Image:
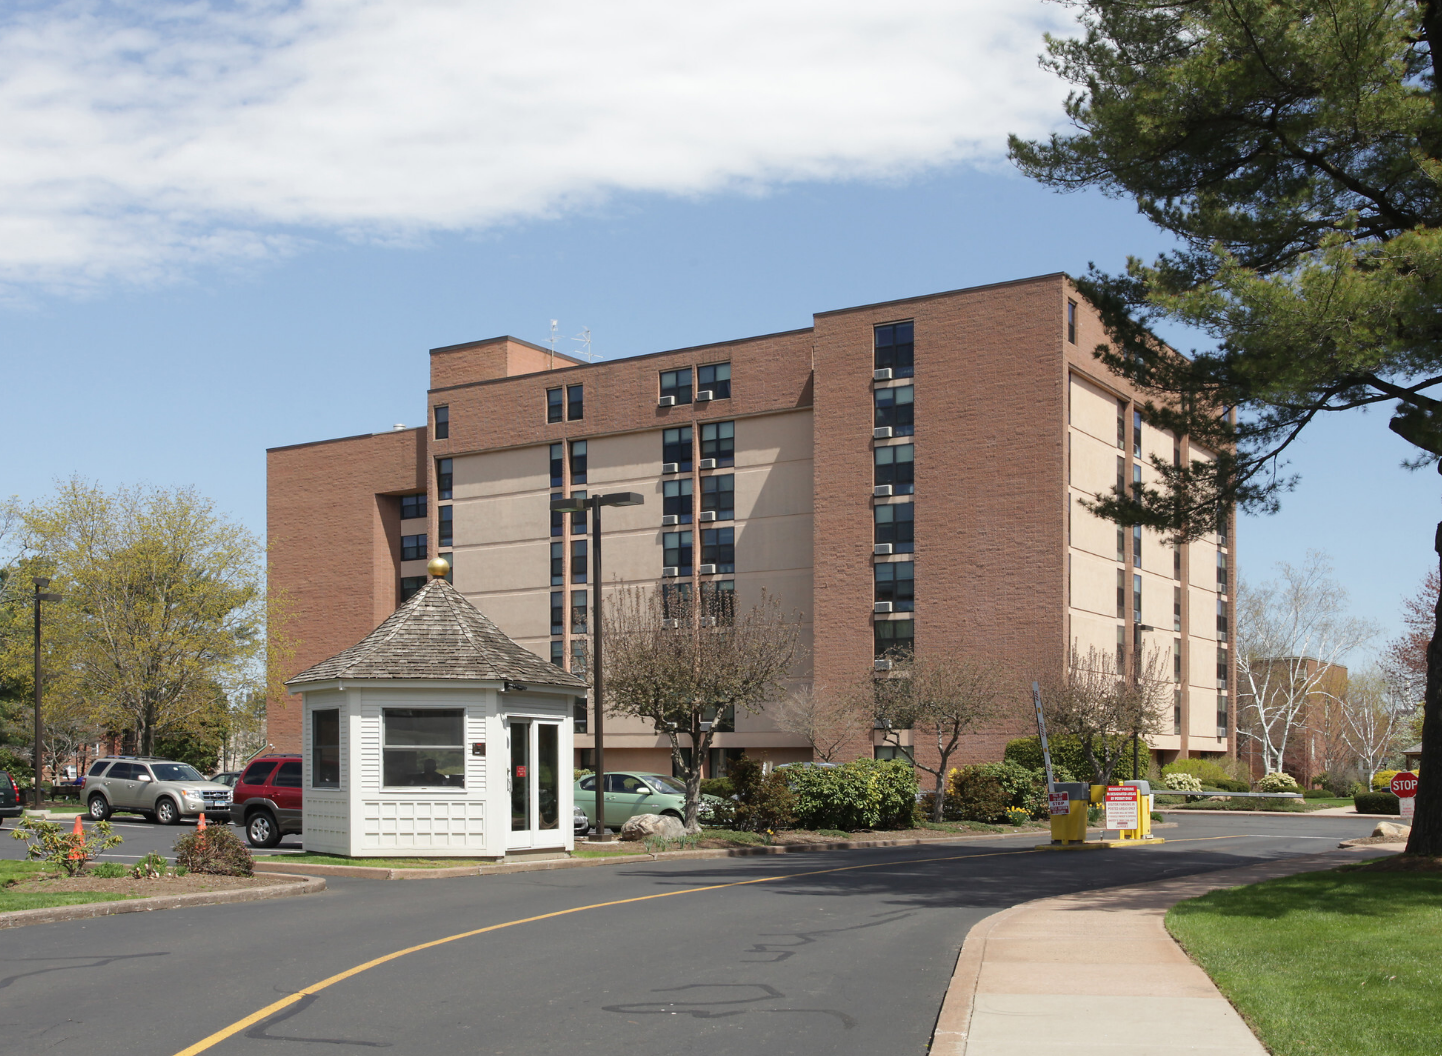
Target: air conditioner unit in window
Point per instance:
(881, 606)
(670, 518)
(666, 401)
(881, 665)
(1221, 733)
(884, 374)
(670, 625)
(882, 491)
(706, 570)
(670, 570)
(708, 515)
(670, 467)
(704, 396)
(881, 432)
(708, 463)
(881, 549)
(708, 621)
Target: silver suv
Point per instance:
(160, 789)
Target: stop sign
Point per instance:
(1404, 785)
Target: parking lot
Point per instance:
(141, 838)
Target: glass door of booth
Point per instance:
(534, 781)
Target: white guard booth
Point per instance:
(437, 736)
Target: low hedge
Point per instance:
(1377, 803)
(1066, 753)
(864, 794)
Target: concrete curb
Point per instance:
(373, 872)
(953, 1023)
(1273, 813)
(19, 918)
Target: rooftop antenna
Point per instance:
(554, 324)
(584, 340)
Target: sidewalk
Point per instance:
(1097, 974)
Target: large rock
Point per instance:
(1392, 830)
(653, 826)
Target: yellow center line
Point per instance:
(315, 988)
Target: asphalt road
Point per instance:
(836, 952)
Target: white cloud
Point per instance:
(141, 137)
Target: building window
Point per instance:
(558, 519)
(558, 611)
(676, 384)
(443, 423)
(676, 499)
(1177, 660)
(578, 461)
(894, 753)
(558, 654)
(717, 378)
(895, 466)
(1137, 481)
(1121, 543)
(1222, 532)
(410, 585)
(412, 506)
(1121, 474)
(894, 639)
(1121, 649)
(894, 409)
(896, 583)
(325, 748)
(553, 405)
(558, 458)
(1177, 713)
(1121, 425)
(1222, 715)
(1176, 608)
(676, 547)
(718, 441)
(575, 402)
(1137, 598)
(1137, 545)
(578, 656)
(578, 517)
(718, 599)
(450, 560)
(1221, 573)
(718, 496)
(895, 524)
(676, 448)
(447, 526)
(558, 564)
(718, 547)
(578, 560)
(413, 547)
(1121, 594)
(676, 601)
(424, 747)
(894, 349)
(578, 612)
(1071, 322)
(1137, 433)
(443, 478)
(1177, 561)
(578, 716)
(1221, 620)
(1222, 669)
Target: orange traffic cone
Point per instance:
(200, 825)
(77, 849)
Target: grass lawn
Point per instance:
(12, 871)
(1339, 963)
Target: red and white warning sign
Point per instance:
(1059, 803)
(1404, 787)
(1123, 809)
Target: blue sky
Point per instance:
(169, 312)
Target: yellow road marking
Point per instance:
(315, 988)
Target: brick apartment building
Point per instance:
(929, 453)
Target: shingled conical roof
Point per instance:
(438, 634)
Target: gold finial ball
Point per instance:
(438, 567)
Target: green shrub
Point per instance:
(1377, 803)
(863, 794)
(1017, 816)
(214, 850)
(62, 849)
(1025, 789)
(108, 871)
(1180, 781)
(717, 786)
(978, 796)
(1066, 753)
(1278, 783)
(1232, 784)
(1382, 779)
(765, 800)
(1321, 793)
(1207, 771)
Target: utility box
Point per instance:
(1070, 827)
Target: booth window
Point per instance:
(325, 748)
(424, 748)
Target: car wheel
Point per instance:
(261, 830)
(99, 809)
(166, 812)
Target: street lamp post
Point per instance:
(576, 505)
(41, 582)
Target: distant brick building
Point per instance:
(928, 454)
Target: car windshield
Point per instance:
(666, 786)
(176, 772)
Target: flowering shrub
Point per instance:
(1016, 815)
(1382, 780)
(1183, 782)
(1278, 783)
(863, 794)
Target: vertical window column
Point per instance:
(447, 533)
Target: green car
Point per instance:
(629, 794)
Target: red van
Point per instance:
(267, 799)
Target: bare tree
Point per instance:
(1102, 706)
(681, 664)
(942, 698)
(1290, 634)
(1372, 711)
(831, 718)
